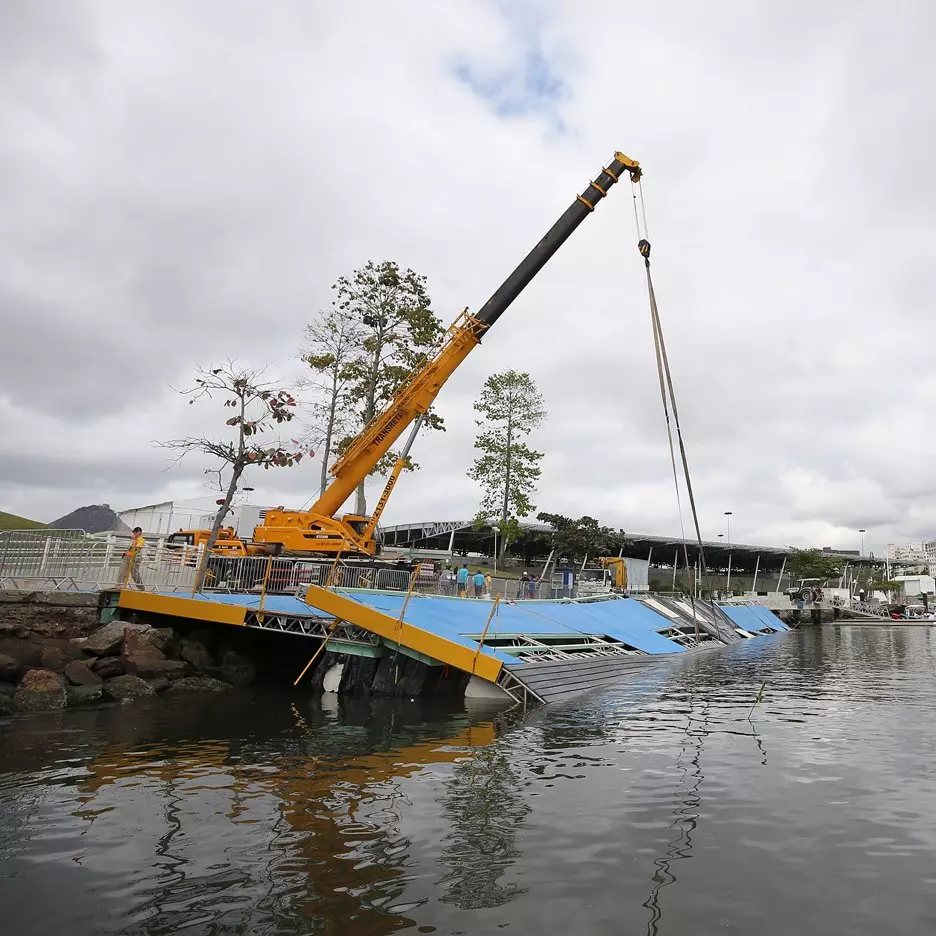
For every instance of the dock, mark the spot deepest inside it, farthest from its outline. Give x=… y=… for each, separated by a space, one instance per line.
x=533 y=652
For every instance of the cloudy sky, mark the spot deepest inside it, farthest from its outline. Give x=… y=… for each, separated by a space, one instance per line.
x=182 y=180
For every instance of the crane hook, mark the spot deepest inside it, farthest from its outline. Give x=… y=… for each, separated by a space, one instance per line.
x=643 y=245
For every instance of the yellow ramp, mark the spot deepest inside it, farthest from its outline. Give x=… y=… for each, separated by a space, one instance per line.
x=414 y=638
x=193 y=608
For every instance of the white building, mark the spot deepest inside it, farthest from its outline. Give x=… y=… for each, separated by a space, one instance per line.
x=196 y=513
x=911 y=552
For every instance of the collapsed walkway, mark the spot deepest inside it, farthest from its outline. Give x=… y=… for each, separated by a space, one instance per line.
x=533 y=651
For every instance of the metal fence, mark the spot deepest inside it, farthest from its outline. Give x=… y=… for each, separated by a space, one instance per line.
x=68 y=560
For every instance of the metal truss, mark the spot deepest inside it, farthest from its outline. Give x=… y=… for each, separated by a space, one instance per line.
x=317 y=627
x=517 y=691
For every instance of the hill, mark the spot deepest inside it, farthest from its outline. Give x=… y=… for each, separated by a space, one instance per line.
x=10 y=521
x=96 y=518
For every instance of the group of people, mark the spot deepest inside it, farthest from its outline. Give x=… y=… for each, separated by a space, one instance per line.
x=465 y=583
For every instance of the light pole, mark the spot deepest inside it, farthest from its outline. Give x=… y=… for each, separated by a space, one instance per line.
x=728 y=582
x=862 y=532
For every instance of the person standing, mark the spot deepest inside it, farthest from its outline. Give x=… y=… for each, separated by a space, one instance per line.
x=131 y=560
x=478 y=580
x=462 y=581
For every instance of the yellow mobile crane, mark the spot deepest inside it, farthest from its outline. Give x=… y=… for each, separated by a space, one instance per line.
x=319 y=529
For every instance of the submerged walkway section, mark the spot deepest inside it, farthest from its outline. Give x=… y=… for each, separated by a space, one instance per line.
x=542 y=650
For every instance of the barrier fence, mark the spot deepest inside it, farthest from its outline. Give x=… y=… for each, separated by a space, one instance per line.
x=69 y=560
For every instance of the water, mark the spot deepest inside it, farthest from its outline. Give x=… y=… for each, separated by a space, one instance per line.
x=655 y=808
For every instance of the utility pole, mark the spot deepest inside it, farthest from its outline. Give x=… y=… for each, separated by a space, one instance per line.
x=861 y=551
x=728 y=583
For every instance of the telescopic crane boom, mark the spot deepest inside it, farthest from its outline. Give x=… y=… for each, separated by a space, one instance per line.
x=318 y=529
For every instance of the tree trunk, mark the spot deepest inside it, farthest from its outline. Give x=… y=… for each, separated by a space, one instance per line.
x=360 y=502
x=329 y=430
x=237 y=469
x=505 y=507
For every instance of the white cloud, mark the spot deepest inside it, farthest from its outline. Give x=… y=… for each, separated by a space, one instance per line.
x=182 y=182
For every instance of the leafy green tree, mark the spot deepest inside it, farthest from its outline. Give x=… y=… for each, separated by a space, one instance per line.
x=576 y=539
x=813 y=563
x=510 y=407
x=391 y=309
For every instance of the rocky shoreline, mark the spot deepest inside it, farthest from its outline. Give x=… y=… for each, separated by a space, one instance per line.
x=54 y=657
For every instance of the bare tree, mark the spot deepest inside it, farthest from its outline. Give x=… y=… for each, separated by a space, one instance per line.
x=332 y=342
x=258 y=405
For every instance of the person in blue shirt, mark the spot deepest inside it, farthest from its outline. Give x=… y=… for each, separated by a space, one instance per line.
x=462 y=581
x=478 y=580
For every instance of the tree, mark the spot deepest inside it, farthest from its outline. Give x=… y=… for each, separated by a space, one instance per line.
x=508 y=469
x=392 y=309
x=813 y=563
x=331 y=344
x=576 y=539
x=257 y=405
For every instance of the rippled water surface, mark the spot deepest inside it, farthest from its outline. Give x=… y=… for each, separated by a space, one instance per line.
x=658 y=807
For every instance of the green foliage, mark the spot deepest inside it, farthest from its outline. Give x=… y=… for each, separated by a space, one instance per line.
x=389 y=311
x=10 y=521
x=576 y=539
x=813 y=563
x=510 y=407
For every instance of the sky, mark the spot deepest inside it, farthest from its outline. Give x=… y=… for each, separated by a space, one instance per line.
x=181 y=182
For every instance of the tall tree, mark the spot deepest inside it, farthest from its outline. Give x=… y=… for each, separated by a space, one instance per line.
x=510 y=406
x=392 y=308
x=257 y=405
x=331 y=343
x=576 y=539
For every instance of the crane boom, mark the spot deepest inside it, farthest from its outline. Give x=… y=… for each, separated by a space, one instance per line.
x=414 y=398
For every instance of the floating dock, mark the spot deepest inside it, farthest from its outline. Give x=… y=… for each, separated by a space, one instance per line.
x=534 y=651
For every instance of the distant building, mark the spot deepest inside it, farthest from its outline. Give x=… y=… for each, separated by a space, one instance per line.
x=195 y=513
x=911 y=552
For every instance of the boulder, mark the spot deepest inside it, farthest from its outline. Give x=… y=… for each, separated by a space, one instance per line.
x=164 y=638
x=109 y=638
x=242 y=674
x=7 y=689
x=196 y=653
x=54 y=659
x=138 y=644
x=80 y=674
x=25 y=652
x=157 y=683
x=84 y=695
x=108 y=667
x=150 y=666
x=10 y=669
x=127 y=688
x=40 y=691
x=198 y=684
x=6 y=705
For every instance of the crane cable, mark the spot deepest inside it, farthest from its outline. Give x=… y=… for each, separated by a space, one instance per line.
x=668 y=397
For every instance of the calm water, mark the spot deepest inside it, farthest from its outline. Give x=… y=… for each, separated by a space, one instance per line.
x=654 y=808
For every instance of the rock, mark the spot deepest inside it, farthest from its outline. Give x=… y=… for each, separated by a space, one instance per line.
x=109 y=638
x=6 y=705
x=80 y=674
x=198 y=684
x=242 y=674
x=84 y=695
x=7 y=689
x=139 y=643
x=157 y=683
x=40 y=691
x=10 y=669
x=147 y=666
x=54 y=659
x=127 y=688
x=109 y=667
x=196 y=653
x=25 y=652
x=163 y=638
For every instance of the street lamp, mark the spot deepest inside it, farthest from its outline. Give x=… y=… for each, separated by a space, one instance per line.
x=728 y=581
x=862 y=532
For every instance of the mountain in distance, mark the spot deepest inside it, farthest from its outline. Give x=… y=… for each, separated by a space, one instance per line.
x=96 y=518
